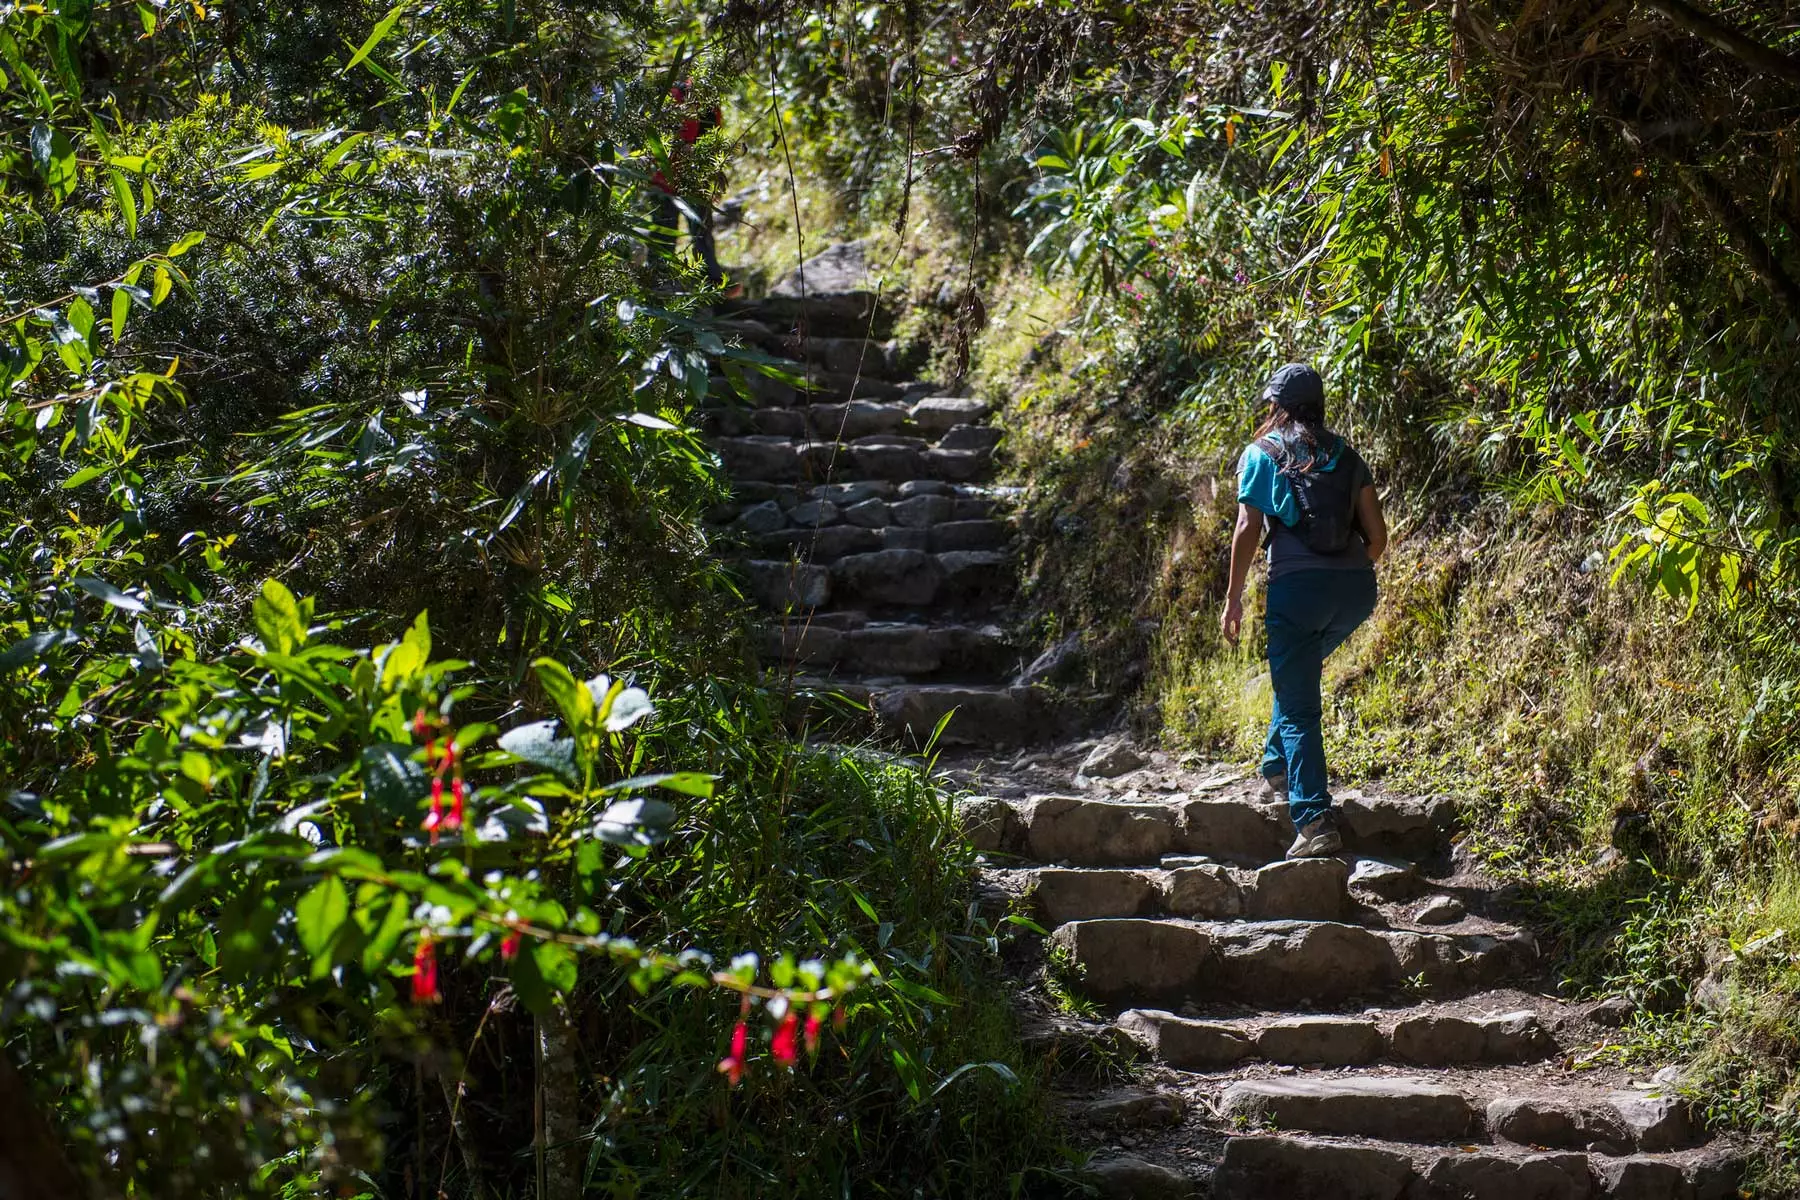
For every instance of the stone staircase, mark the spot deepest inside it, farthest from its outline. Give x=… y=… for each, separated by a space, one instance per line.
x=862 y=520
x=1367 y=1027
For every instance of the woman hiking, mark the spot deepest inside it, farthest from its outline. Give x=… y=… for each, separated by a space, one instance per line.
x=1316 y=500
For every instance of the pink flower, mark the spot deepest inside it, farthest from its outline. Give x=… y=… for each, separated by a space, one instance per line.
x=435 y=817
x=813 y=1025
x=458 y=794
x=732 y=1065
x=783 y=1046
x=425 y=973
x=509 y=946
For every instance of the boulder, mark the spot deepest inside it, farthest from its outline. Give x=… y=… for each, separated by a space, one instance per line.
x=1461 y=1175
x=845 y=495
x=979 y=716
x=1410 y=1110
x=779 y=422
x=1307 y=889
x=1185 y=1044
x=938 y=415
x=1717 y=1175
x=1122 y=1177
x=1326 y=1041
x=1384 y=880
x=804 y=643
x=918 y=512
x=784 y=585
x=1064 y=895
x=822 y=545
x=833 y=271
x=1440 y=910
x=991 y=824
x=1207 y=891
x=889 y=576
x=1128 y=959
x=1515 y=1037
x=1557 y=1122
x=1281 y=1168
x=1234 y=831
x=1654 y=1122
x=1098 y=832
x=1641 y=1179
x=1111 y=759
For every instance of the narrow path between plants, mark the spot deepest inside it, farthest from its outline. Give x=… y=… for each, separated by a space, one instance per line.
x=1220 y=1021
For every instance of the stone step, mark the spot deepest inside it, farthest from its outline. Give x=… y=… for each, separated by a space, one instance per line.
x=891 y=647
x=1306 y=889
x=969 y=579
x=829 y=542
x=819 y=313
x=1407 y=1110
x=1088 y=831
x=1280 y=1167
x=1191 y=1044
x=1136 y=961
x=984 y=716
x=774 y=458
x=966 y=502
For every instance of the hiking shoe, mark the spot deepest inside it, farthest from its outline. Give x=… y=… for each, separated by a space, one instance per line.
x=1317 y=839
x=1274 y=789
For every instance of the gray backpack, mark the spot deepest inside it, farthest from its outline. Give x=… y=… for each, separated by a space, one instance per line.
x=1327 y=522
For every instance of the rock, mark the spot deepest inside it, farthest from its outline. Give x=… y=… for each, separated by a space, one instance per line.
x=1202 y=891
x=1283 y=962
x=1716 y=1176
x=837 y=269
x=970 y=437
x=982 y=716
x=1234 y=831
x=895 y=537
x=1515 y=1037
x=1055 y=664
x=887 y=460
x=1438 y=1040
x=970 y=535
x=1612 y=1012
x=845 y=495
x=784 y=585
x=898 y=648
x=766 y=517
x=1395 y=824
x=938 y=415
x=856 y=419
x=1110 y=759
x=1654 y=1122
x=1327 y=1041
x=889 y=576
x=924 y=487
x=779 y=422
x=1130 y=1108
x=815 y=513
x=1185 y=1044
x=1410 y=1110
x=918 y=512
x=1390 y=881
x=1641 y=1179
x=1064 y=895
x=991 y=825
x=1098 y=833
x=1310 y=889
x=1440 y=910
x=1122 y=1177
x=1280 y=1168
x=1124 y=960
x=768 y=460
x=868 y=514
x=1565 y=1124
x=959 y=466
x=976 y=572
x=822 y=545
x=1177 y=862
x=804 y=643
x=1483 y=1176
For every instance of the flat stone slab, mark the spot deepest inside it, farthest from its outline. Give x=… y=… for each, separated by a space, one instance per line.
x=1489 y=1176
x=1324 y=1041
x=1410 y=1110
x=1085 y=832
x=1282 y=1168
x=1614 y=1123
x=1308 y=889
x=1236 y=831
x=1129 y=960
x=1123 y=1177
x=1067 y=894
x=978 y=716
x=1433 y=1039
x=1184 y=1043
x=1133 y=1108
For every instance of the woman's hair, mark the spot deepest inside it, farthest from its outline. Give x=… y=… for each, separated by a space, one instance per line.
x=1301 y=428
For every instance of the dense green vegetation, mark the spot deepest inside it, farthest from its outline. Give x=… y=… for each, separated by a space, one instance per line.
x=366 y=302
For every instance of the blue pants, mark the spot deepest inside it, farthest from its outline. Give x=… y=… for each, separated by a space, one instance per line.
x=1310 y=613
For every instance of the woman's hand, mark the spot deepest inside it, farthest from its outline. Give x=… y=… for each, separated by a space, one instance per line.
x=1231 y=620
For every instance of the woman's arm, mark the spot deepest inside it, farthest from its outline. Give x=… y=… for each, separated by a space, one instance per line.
x=1373 y=524
x=1245 y=540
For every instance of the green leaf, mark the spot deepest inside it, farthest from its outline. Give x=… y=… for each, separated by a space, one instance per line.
x=100 y=589
x=688 y=783
x=277 y=616
x=538 y=745
x=634 y=822
x=186 y=242
x=127 y=203
x=1004 y=1072
x=85 y=475
x=54 y=157
x=162 y=283
x=382 y=28
x=392 y=781
x=556 y=963
x=569 y=694
x=384 y=937
x=34 y=646
x=320 y=913
x=121 y=309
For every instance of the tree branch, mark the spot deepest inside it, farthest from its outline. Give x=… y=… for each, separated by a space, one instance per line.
x=1728 y=38
x=1726 y=211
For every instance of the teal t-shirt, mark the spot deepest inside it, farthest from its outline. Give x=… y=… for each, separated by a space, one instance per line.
x=1263 y=487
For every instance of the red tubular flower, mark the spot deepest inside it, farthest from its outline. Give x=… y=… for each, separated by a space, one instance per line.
x=459 y=793
x=420 y=726
x=813 y=1025
x=435 y=817
x=690 y=131
x=732 y=1065
x=509 y=946
x=425 y=973
x=783 y=1046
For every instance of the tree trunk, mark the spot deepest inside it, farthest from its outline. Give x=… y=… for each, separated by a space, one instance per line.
x=32 y=1166
x=561 y=1152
